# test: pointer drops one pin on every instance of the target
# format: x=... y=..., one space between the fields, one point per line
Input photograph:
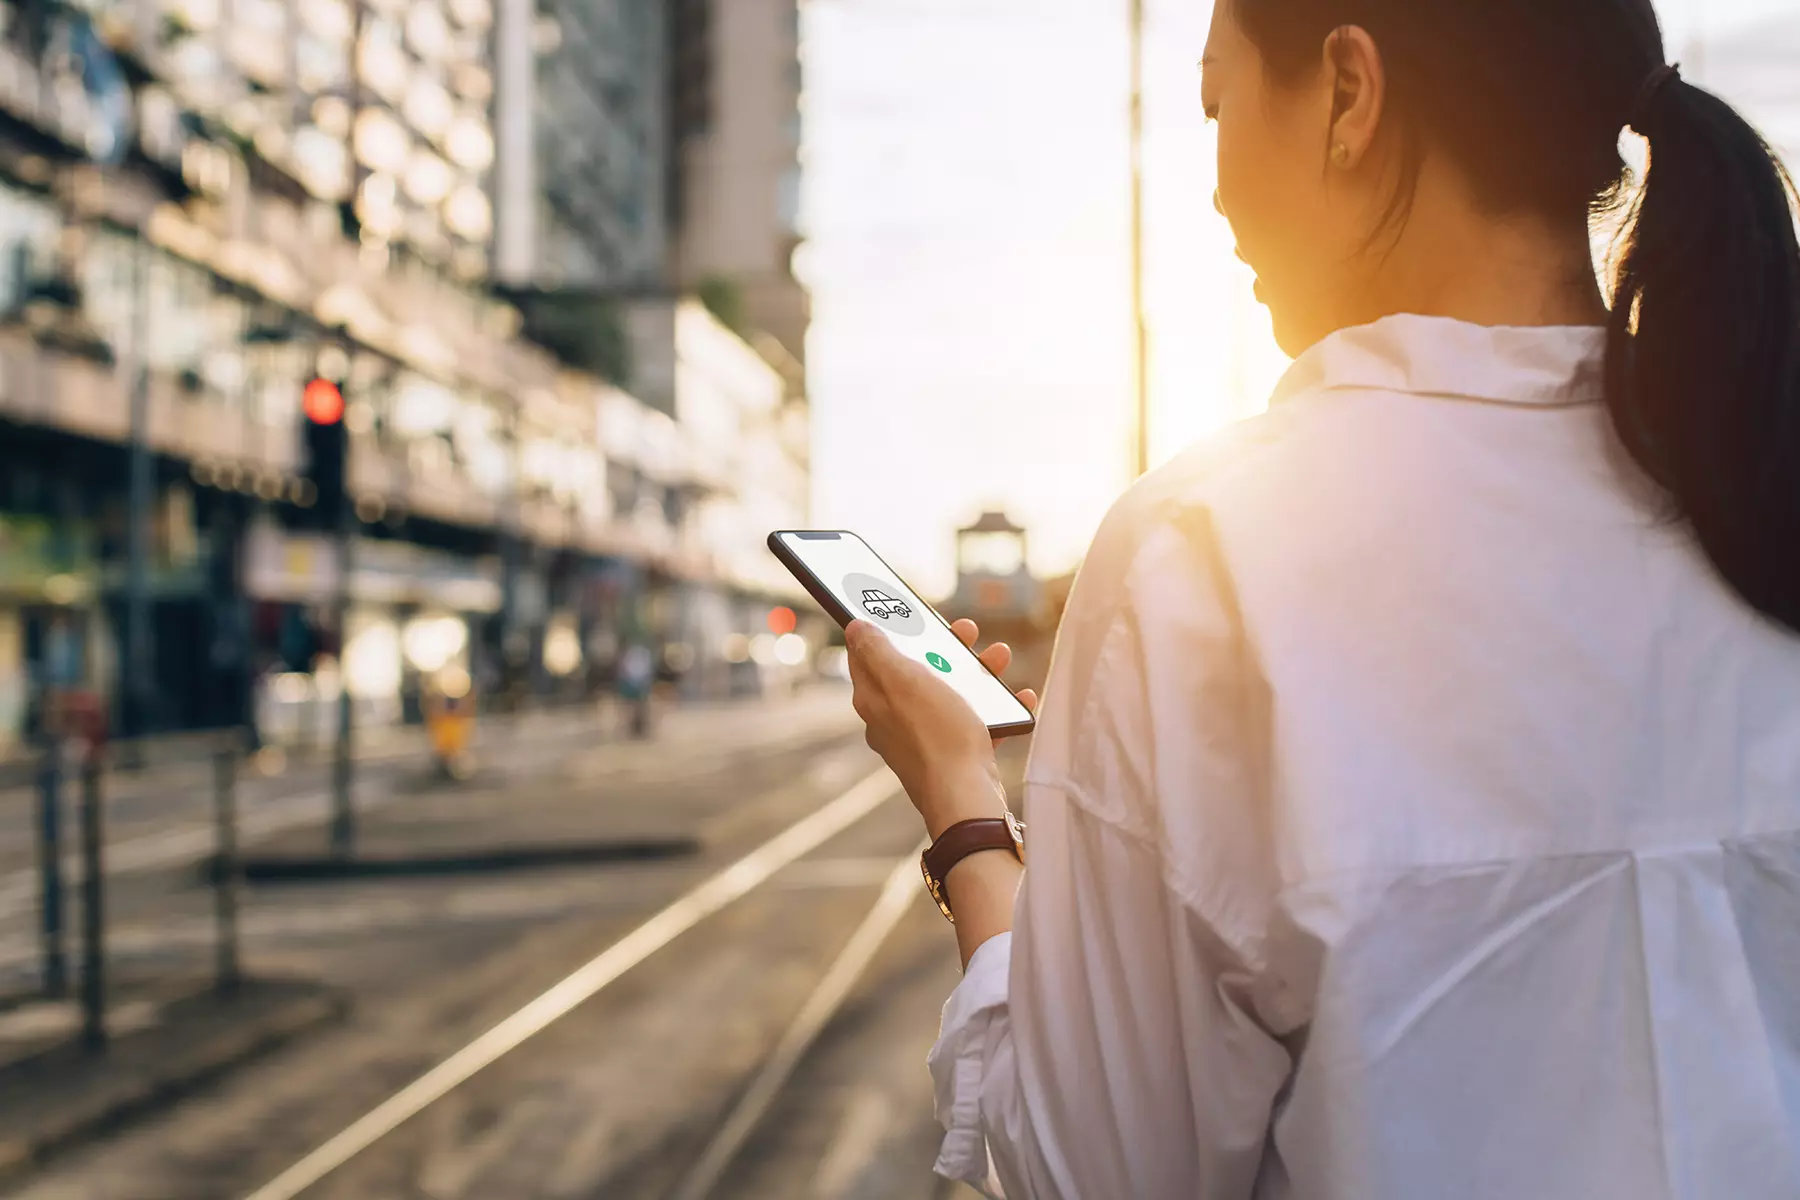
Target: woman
x=1413 y=808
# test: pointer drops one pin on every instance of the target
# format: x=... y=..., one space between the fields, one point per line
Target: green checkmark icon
x=939 y=661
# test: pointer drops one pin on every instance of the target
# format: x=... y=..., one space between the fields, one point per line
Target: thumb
x=867 y=642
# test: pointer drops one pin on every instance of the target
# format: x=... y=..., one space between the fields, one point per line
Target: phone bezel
x=834 y=608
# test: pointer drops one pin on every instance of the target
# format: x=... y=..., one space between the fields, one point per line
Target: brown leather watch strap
x=963 y=839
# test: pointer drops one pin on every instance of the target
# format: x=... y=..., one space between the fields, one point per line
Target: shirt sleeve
x=1114 y=1044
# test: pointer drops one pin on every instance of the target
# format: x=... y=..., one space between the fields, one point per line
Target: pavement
x=590 y=794
x=160 y=823
x=174 y=790
x=166 y=1040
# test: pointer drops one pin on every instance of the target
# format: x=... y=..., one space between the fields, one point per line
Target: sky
x=966 y=211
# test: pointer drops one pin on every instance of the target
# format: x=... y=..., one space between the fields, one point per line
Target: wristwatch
x=963 y=839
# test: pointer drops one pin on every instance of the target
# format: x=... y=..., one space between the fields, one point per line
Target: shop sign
x=403 y=573
x=282 y=566
x=302 y=568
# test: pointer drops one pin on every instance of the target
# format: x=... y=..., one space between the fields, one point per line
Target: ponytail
x=1703 y=347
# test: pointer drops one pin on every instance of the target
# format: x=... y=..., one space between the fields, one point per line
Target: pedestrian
x=637 y=678
x=1414 y=810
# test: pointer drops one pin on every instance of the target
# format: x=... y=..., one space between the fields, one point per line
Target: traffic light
x=327 y=443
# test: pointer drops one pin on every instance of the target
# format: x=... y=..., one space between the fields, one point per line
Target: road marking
x=722 y=889
x=823 y=873
x=898 y=895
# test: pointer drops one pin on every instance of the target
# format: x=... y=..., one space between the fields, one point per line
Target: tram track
x=730 y=884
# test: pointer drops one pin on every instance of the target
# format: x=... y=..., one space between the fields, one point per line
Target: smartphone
x=850 y=582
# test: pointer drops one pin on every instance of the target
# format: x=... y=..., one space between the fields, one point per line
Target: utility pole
x=326 y=440
x=343 y=810
x=1696 y=51
x=1139 y=328
x=141 y=496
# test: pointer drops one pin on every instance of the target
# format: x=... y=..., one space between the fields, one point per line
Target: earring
x=1340 y=155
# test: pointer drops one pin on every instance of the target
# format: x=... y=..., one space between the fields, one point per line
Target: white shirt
x=1412 y=815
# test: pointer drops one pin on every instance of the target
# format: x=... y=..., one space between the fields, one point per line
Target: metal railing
x=92 y=762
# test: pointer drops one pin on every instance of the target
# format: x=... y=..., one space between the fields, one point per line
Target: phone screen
x=843 y=565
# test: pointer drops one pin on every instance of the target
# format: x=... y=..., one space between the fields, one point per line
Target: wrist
x=987 y=862
x=968 y=795
x=982 y=890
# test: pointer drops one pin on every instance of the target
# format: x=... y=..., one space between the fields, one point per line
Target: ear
x=1358 y=95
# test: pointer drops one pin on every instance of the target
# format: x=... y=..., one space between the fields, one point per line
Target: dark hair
x=1528 y=98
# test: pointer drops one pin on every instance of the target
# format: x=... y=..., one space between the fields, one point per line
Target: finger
x=1029 y=699
x=868 y=640
x=865 y=678
x=967 y=631
x=865 y=644
x=876 y=667
x=863 y=672
x=997 y=658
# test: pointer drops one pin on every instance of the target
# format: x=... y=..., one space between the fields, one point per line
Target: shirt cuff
x=975 y=1011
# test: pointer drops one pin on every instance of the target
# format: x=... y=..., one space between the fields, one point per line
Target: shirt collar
x=1549 y=366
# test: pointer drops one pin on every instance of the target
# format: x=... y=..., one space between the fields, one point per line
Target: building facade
x=201 y=208
x=581 y=110
x=746 y=459
x=737 y=92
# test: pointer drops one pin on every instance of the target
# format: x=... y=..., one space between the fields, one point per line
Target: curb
x=111 y=1108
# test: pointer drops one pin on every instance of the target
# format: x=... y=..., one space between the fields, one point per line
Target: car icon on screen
x=880 y=604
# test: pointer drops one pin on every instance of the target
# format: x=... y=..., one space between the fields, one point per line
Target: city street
x=626 y=1093
x=447 y=448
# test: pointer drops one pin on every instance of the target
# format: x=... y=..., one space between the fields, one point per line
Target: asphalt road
x=620 y=1096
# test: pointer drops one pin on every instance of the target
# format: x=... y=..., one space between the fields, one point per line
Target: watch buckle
x=936 y=890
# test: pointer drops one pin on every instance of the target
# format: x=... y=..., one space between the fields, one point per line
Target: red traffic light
x=782 y=620
x=322 y=403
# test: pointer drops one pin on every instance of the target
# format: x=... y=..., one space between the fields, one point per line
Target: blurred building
x=581 y=112
x=653 y=147
x=746 y=442
x=202 y=207
x=993 y=575
x=735 y=113
x=996 y=589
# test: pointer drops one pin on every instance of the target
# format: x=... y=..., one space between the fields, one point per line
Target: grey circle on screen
x=879 y=601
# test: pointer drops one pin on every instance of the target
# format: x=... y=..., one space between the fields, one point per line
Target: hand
x=926 y=733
